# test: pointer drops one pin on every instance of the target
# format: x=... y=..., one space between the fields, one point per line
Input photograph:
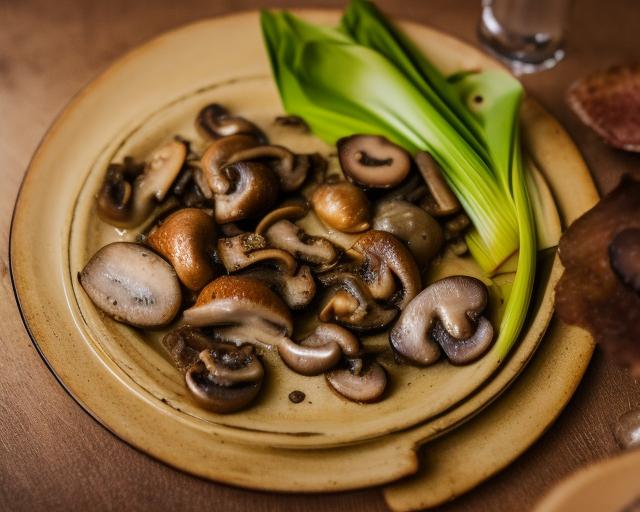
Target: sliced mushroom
x=360 y=381
x=226 y=378
x=468 y=350
x=132 y=284
x=349 y=302
x=291 y=169
x=114 y=198
x=315 y=250
x=215 y=121
x=456 y=302
x=210 y=176
x=256 y=312
x=373 y=161
x=184 y=345
x=290 y=211
x=125 y=204
x=411 y=224
x=320 y=351
x=296 y=290
x=385 y=258
x=253 y=189
x=342 y=206
x=187 y=239
x=440 y=200
x=624 y=256
x=248 y=249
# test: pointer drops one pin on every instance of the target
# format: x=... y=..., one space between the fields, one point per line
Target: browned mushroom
x=373 y=161
x=253 y=188
x=320 y=351
x=342 y=206
x=289 y=211
x=360 y=381
x=291 y=169
x=184 y=344
x=127 y=204
x=291 y=121
x=211 y=179
x=349 y=302
x=226 y=378
x=440 y=200
x=248 y=249
x=383 y=259
x=187 y=239
x=132 y=284
x=456 y=303
x=254 y=312
x=296 y=290
x=215 y=121
x=411 y=224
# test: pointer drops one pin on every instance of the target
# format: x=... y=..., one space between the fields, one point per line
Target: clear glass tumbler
x=525 y=34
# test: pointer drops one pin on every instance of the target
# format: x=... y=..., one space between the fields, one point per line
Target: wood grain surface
x=55 y=456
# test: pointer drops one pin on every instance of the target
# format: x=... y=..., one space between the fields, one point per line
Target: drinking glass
x=525 y=34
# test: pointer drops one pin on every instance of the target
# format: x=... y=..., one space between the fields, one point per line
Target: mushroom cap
x=385 y=257
x=253 y=188
x=132 y=284
x=245 y=302
x=226 y=378
x=411 y=224
x=320 y=351
x=373 y=161
x=440 y=200
x=365 y=385
x=342 y=206
x=186 y=238
x=455 y=301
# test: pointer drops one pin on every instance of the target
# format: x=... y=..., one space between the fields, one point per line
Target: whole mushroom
x=411 y=224
x=187 y=239
x=342 y=206
x=454 y=302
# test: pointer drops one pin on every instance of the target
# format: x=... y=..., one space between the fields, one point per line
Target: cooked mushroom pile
x=226 y=260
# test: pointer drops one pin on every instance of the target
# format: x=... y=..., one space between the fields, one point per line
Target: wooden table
x=55 y=456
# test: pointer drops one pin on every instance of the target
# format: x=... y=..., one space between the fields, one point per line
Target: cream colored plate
x=121 y=378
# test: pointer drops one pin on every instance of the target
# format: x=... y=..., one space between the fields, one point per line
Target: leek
x=367 y=77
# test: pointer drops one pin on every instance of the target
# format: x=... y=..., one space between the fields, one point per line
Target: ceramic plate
x=124 y=379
